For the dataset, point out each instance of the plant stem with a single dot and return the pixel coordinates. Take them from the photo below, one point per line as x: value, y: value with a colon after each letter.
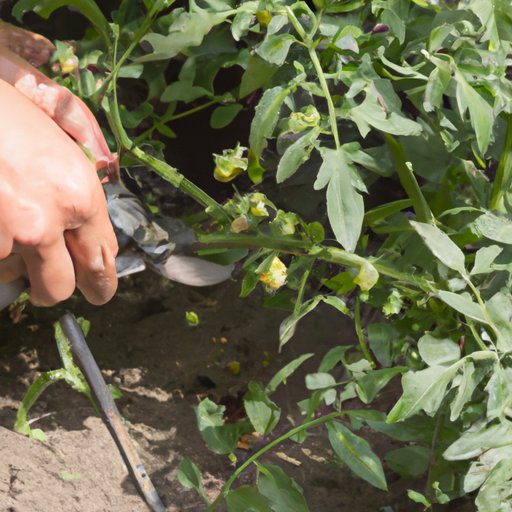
x: 191, y: 111
x: 238, y: 471
x: 319, y: 72
x: 360, y: 334
x: 503, y: 179
x: 139, y: 34
x: 408, y: 180
x: 432, y: 456
x: 177, y: 179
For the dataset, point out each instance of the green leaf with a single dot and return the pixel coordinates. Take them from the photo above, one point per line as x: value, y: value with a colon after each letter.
x: 186, y: 30
x: 223, y: 115
x: 356, y: 453
x: 275, y: 48
x: 257, y: 73
x: 319, y: 381
x: 381, y: 109
x: 183, y: 90
x: 373, y: 382
x: 190, y: 477
x: 345, y: 207
x: 479, y: 439
x: 289, y: 324
x: 417, y: 497
x: 436, y: 86
x: 437, y: 351
x: 246, y: 498
x: 422, y: 390
x: 463, y: 304
x: 219, y: 437
x: 334, y: 356
x: 266, y: 117
x: 285, y: 372
x: 498, y: 390
x: 381, y: 338
x: 467, y: 384
x: 499, y: 309
x: 295, y: 155
x: 282, y: 492
x: 480, y: 112
x: 484, y: 258
x: 480, y: 468
x: 494, y: 227
x: 411, y: 461
x: 441, y: 246
x: 44, y: 8
x: 494, y: 494
x: 261, y: 411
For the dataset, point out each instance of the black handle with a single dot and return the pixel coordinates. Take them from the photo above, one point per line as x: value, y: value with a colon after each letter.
x: 109, y: 411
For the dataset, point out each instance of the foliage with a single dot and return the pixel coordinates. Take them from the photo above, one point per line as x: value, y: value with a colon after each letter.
x: 392, y: 119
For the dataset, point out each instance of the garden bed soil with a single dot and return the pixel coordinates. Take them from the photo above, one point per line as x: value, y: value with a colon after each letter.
x: 164, y: 367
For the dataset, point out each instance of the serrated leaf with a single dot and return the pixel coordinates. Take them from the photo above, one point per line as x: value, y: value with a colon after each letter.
x: 186, y: 30
x: 381, y: 109
x: 295, y: 155
x: 266, y: 117
x: 357, y: 454
x: 441, y: 246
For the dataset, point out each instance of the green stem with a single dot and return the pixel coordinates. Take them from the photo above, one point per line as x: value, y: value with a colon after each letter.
x: 238, y: 471
x: 139, y: 34
x: 503, y: 179
x: 360, y: 334
x: 191, y: 111
x: 481, y: 303
x: 177, y: 179
x: 432, y: 456
x: 319, y: 72
x: 408, y: 180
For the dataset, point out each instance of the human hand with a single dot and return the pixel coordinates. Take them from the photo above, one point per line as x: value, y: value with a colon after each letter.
x: 53, y: 218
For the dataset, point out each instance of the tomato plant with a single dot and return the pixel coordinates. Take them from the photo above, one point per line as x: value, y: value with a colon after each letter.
x: 376, y: 174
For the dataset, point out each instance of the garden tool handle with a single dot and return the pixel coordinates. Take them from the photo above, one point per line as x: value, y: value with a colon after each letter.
x: 109, y: 411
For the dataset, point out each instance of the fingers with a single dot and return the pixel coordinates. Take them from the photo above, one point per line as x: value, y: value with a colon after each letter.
x: 68, y: 111
x: 93, y: 248
x: 34, y: 48
x: 50, y: 271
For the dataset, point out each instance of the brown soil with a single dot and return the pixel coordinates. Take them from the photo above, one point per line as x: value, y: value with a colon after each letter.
x: 163, y: 367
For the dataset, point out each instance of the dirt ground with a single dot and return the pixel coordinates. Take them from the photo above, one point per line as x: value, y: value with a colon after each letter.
x: 163, y: 367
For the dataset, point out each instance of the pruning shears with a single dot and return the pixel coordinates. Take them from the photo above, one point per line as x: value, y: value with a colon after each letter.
x: 109, y: 411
